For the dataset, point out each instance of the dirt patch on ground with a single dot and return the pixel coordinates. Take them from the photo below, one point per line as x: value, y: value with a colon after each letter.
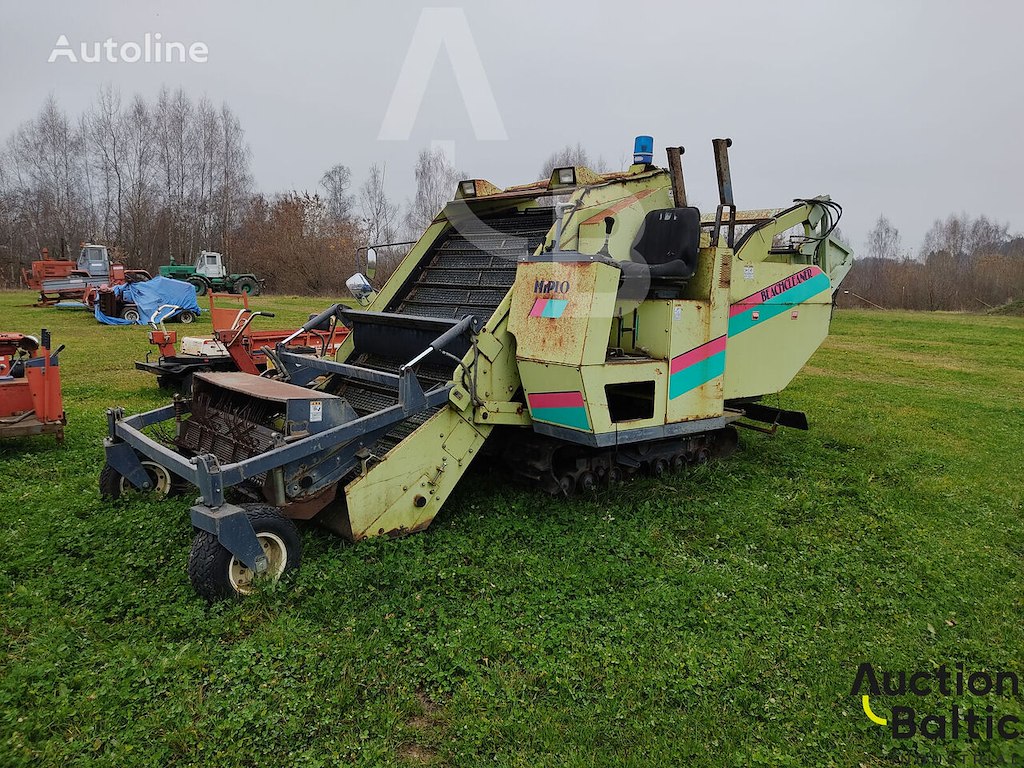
x: 426, y: 723
x: 417, y: 754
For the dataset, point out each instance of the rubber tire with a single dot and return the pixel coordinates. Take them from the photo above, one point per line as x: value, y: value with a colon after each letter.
x: 209, y: 562
x: 246, y: 285
x: 110, y: 484
x: 132, y: 313
x: 186, y: 317
x: 199, y: 284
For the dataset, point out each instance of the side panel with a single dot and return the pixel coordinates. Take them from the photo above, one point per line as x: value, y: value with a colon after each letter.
x: 776, y: 327
x: 561, y: 312
x: 697, y: 363
x: 555, y: 394
x: 597, y: 379
x: 405, y: 491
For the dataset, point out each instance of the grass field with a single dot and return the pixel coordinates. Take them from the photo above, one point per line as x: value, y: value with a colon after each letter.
x: 716, y: 618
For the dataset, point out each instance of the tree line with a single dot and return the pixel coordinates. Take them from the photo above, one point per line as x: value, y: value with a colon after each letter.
x: 965, y: 263
x: 171, y: 176
x: 165, y: 178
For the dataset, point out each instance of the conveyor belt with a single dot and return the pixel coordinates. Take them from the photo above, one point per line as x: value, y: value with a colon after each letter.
x: 467, y: 271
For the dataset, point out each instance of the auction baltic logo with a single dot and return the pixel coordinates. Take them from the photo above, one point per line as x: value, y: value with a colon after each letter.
x: 953, y: 720
x: 152, y: 50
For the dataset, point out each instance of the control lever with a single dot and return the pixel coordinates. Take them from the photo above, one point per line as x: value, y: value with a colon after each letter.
x: 315, y: 322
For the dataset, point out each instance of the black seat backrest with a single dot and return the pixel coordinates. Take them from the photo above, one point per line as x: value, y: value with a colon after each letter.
x: 666, y: 236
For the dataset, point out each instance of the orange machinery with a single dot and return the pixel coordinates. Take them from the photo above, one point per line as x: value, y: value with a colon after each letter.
x: 46, y: 268
x: 234, y: 346
x: 30, y: 396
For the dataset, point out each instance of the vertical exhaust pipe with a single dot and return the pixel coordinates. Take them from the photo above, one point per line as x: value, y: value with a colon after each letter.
x: 675, y: 169
x: 721, y: 147
x: 725, y: 198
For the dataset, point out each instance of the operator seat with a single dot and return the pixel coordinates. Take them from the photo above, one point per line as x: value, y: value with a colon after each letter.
x: 663, y: 256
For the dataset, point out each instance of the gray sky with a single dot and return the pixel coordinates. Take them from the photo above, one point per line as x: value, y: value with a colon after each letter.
x: 910, y: 108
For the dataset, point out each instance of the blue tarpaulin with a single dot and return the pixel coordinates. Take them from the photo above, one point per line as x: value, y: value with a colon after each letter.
x: 163, y: 293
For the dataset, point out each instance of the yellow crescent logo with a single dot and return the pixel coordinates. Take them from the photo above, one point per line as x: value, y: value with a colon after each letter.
x: 871, y: 715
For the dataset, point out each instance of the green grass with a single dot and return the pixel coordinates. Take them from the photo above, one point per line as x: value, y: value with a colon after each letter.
x: 716, y: 618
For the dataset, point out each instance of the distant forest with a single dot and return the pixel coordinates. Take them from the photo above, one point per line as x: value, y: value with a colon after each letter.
x: 172, y: 176
x: 965, y: 264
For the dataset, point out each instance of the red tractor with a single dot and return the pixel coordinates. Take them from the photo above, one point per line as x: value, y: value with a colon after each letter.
x: 30, y: 396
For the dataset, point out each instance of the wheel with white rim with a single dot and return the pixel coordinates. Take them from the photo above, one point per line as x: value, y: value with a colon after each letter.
x: 132, y: 314
x: 114, y: 485
x: 216, y: 574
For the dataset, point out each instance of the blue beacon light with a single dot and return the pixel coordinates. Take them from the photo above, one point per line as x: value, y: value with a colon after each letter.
x: 643, y: 150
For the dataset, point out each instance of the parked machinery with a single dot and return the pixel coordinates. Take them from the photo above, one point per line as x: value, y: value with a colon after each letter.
x: 94, y: 270
x: 596, y: 322
x: 210, y: 274
x: 46, y: 268
x: 234, y: 346
x: 30, y: 394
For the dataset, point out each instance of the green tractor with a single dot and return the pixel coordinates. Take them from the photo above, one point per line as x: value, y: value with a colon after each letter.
x: 210, y: 274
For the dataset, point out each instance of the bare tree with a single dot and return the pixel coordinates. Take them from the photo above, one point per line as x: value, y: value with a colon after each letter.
x: 436, y: 178
x: 336, y: 183
x: 962, y: 237
x: 884, y: 240
x: 106, y: 150
x: 380, y: 216
x: 571, y: 155
x: 236, y: 180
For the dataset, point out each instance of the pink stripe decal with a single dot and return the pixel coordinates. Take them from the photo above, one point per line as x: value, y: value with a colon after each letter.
x: 696, y: 355
x: 538, y: 307
x: 556, y: 400
x: 773, y: 290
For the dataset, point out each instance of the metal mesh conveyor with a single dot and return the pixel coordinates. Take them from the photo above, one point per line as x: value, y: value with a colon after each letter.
x: 467, y: 271
x: 470, y: 268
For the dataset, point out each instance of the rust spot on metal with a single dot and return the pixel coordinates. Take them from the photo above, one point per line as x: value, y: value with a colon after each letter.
x: 757, y: 216
x: 310, y: 507
x: 259, y: 387
x: 725, y: 274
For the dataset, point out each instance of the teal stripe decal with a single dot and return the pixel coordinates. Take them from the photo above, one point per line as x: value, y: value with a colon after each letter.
x: 696, y: 375
x: 554, y: 308
x: 575, y: 418
x: 779, y: 304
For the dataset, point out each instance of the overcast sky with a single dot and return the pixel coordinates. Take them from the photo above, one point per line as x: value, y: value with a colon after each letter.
x: 909, y: 108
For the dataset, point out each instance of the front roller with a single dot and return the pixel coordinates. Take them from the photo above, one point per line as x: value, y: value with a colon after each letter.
x: 217, y: 574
